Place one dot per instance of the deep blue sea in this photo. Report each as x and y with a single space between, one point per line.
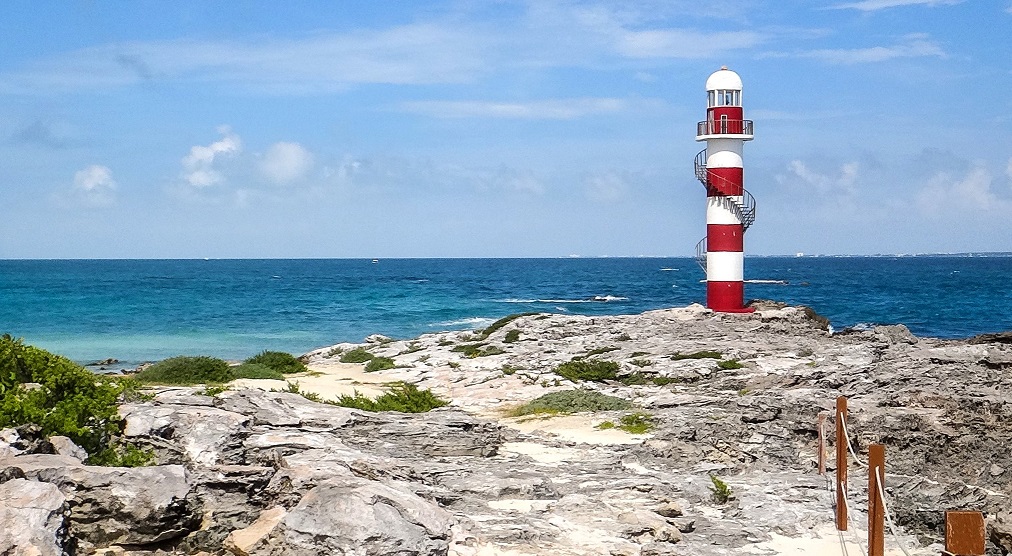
145 310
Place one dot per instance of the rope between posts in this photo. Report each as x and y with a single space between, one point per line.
885 509
846 435
857 538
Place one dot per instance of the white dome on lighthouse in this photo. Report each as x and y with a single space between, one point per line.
723 80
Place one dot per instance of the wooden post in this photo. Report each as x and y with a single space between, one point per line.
841 465
964 533
822 443
876 509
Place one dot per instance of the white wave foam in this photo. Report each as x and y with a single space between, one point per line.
668 269
476 322
595 299
781 282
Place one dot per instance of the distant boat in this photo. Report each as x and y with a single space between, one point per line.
374 261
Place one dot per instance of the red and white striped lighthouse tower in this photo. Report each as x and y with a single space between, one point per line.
730 210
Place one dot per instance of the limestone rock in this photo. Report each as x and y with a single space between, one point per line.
242 542
32 519
354 516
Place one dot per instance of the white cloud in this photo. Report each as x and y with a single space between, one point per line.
970 193
409 54
94 186
873 5
606 188
682 43
199 165
801 177
285 163
553 109
911 46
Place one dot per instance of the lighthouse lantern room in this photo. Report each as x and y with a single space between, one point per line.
730 210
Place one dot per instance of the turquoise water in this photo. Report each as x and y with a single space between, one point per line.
143 310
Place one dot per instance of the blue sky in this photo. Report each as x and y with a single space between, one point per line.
496 128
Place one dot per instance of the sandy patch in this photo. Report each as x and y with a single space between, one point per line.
828 541
574 428
330 380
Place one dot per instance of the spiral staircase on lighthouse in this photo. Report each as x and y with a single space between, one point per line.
745 210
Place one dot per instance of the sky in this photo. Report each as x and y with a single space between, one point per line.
192 129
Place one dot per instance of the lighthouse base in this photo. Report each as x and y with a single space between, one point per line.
727 297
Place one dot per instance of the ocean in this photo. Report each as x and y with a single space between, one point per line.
146 310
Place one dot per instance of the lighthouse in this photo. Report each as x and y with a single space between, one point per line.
730 210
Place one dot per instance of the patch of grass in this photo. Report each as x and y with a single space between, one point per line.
444 343
379 364
596 371
705 354
213 390
605 425
720 491
641 362
453 364
639 353
541 317
512 336
402 397
729 364
411 348
256 370
503 322
663 380
634 379
357 355
508 370
186 370
571 401
636 423
600 350
280 361
472 351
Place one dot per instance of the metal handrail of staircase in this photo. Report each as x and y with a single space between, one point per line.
701 254
744 211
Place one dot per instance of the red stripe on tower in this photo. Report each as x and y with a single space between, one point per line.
730 210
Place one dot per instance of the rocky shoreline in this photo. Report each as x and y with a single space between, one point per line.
248 471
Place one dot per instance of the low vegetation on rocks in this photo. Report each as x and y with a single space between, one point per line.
502 322
187 370
472 351
284 363
571 401
357 355
584 370
632 423
379 364
402 397
62 398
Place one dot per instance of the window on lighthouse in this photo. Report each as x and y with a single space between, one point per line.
710 99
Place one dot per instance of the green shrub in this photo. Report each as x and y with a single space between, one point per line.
696 355
502 322
512 336
185 370
508 370
402 397
477 350
634 379
605 425
721 492
596 371
663 380
123 454
571 401
639 353
256 370
411 348
636 423
357 355
729 364
379 364
69 401
600 350
641 362
279 361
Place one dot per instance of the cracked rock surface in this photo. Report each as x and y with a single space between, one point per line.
259 473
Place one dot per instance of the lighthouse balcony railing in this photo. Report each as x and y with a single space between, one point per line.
730 128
